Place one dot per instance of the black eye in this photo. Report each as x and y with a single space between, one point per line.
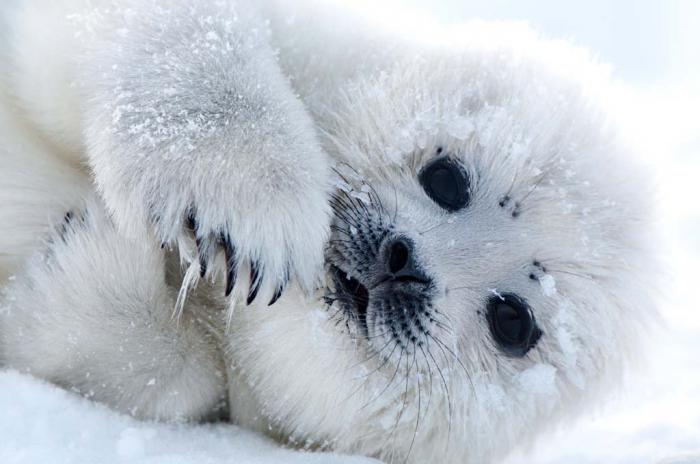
446 183
512 324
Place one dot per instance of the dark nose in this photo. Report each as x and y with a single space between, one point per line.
400 261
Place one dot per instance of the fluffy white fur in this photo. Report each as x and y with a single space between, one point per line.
238 113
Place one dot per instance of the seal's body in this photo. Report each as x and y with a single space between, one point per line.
485 259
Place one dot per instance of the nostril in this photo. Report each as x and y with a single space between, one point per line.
398 256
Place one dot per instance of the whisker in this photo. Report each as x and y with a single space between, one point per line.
404 402
415 430
456 358
447 394
396 371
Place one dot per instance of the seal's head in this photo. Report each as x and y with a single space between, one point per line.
486 272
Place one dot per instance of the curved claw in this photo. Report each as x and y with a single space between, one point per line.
280 289
254 283
277 295
231 263
199 242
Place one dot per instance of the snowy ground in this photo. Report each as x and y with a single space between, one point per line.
41 424
657 420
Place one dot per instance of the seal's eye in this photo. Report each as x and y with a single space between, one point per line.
446 183
512 324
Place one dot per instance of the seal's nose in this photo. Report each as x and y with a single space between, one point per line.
397 256
400 261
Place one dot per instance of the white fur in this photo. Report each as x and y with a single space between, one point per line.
193 116
93 310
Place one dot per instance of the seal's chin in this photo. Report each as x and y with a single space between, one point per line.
352 296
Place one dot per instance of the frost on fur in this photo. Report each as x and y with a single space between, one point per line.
437 334
190 119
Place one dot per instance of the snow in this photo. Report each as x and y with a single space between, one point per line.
548 285
656 420
41 423
539 379
460 128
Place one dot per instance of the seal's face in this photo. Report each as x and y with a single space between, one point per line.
486 253
390 267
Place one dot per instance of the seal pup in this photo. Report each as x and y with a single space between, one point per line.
484 279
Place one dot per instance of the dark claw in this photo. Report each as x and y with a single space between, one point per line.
231 263
280 289
277 295
191 222
201 249
254 283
